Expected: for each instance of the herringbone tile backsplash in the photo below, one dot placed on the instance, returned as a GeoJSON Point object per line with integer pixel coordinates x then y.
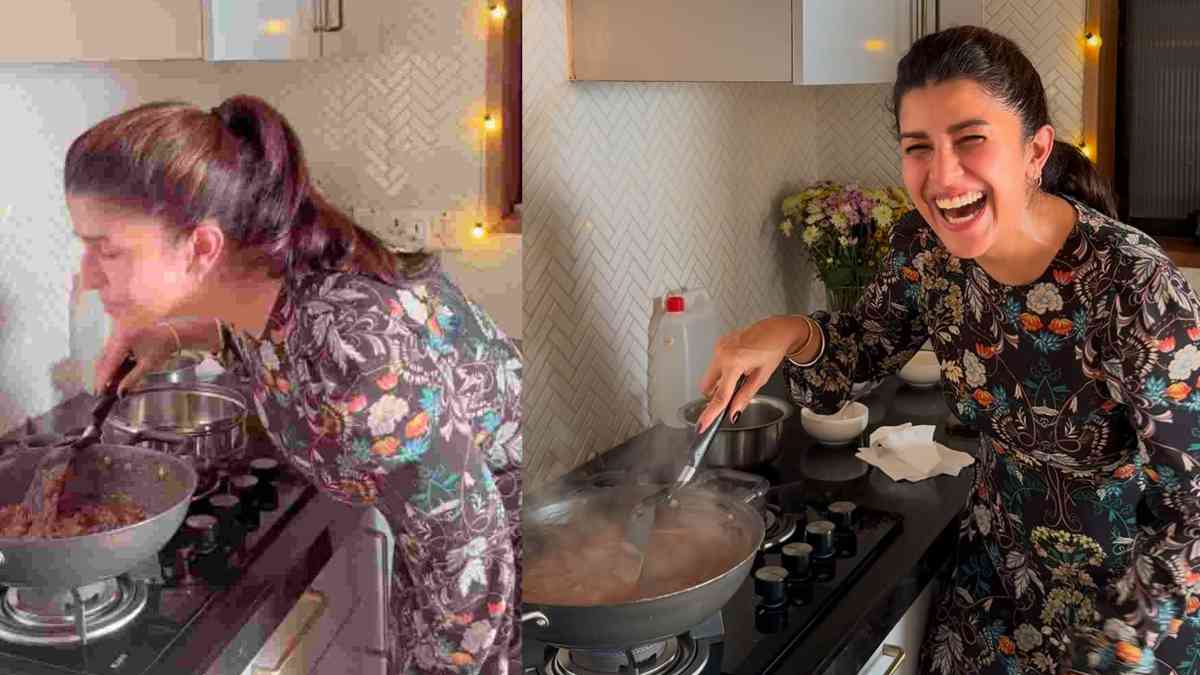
{"type": "Point", "coordinates": [632, 189]}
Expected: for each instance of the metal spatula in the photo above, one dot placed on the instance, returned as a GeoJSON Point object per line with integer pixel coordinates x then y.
{"type": "Point", "coordinates": [43, 495]}
{"type": "Point", "coordinates": [641, 521]}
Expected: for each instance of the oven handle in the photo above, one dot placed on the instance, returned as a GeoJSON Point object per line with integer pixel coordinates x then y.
{"type": "Point", "coordinates": [896, 653]}
{"type": "Point", "coordinates": [312, 602]}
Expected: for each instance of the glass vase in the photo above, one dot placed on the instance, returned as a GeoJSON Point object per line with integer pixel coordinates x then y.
{"type": "Point", "coordinates": [842, 298]}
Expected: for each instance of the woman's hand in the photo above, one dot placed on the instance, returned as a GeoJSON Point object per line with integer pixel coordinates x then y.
{"type": "Point", "coordinates": [152, 346]}
{"type": "Point", "coordinates": [755, 352]}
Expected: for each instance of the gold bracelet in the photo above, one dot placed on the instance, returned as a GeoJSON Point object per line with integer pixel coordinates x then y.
{"type": "Point", "coordinates": [807, 339]}
{"type": "Point", "coordinates": [175, 333]}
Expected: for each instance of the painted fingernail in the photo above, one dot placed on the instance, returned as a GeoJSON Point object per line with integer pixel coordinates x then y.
{"type": "Point", "coordinates": [734, 419]}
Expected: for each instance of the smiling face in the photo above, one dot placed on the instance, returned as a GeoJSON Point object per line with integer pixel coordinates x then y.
{"type": "Point", "coordinates": [967, 164]}
{"type": "Point", "coordinates": [142, 275]}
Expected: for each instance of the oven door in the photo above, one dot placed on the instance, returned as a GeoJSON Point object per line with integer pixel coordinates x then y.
{"type": "Point", "coordinates": [339, 625]}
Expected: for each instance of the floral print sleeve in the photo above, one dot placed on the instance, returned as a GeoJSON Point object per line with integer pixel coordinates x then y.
{"type": "Point", "coordinates": [407, 398]}
{"type": "Point", "coordinates": [882, 332]}
{"type": "Point", "coordinates": [1150, 368]}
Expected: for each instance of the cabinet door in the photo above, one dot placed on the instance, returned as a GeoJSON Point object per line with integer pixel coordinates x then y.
{"type": "Point", "coordinates": [949, 13]}
{"type": "Point", "coordinates": [264, 30]}
{"type": "Point", "coordinates": [851, 41]}
{"type": "Point", "coordinates": [352, 27]}
{"type": "Point", "coordinates": [902, 645]}
{"type": "Point", "coordinates": [35, 31]}
{"type": "Point", "coordinates": [672, 41]}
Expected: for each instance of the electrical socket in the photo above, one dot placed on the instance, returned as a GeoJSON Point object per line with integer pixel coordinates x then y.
{"type": "Point", "coordinates": [410, 230]}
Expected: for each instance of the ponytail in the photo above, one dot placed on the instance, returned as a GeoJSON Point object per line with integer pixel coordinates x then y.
{"type": "Point", "coordinates": [1069, 172]}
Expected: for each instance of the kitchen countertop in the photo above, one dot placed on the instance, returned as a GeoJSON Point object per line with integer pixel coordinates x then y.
{"type": "Point", "coordinates": [229, 633]}
{"type": "Point", "coordinates": [846, 639]}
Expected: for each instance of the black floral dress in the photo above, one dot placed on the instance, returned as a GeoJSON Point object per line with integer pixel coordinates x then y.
{"type": "Point", "coordinates": [407, 397]}
{"type": "Point", "coordinates": [1080, 542]}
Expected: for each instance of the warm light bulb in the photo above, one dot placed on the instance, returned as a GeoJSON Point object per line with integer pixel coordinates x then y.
{"type": "Point", "coordinates": [874, 45]}
{"type": "Point", "coordinates": [498, 11]}
{"type": "Point", "coordinates": [274, 27]}
{"type": "Point", "coordinates": [478, 231]}
{"type": "Point", "coordinates": [1086, 150]}
{"type": "Point", "coordinates": [489, 122]}
{"type": "Point", "coordinates": [1093, 40]}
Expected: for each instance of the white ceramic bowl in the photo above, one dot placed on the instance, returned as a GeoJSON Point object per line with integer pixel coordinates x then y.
{"type": "Point", "coordinates": [841, 428]}
{"type": "Point", "coordinates": [922, 370]}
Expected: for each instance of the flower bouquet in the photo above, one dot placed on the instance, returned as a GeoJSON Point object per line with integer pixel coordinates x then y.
{"type": "Point", "coordinates": [846, 230]}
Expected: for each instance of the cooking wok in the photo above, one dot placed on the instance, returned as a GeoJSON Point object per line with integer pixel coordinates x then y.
{"type": "Point", "coordinates": [159, 483]}
{"type": "Point", "coordinates": [657, 617]}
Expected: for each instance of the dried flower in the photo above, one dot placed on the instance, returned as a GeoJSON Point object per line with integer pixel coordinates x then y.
{"type": "Point", "coordinates": [846, 229]}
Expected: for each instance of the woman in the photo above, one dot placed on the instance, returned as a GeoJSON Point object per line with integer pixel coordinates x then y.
{"type": "Point", "coordinates": [1067, 337]}
{"type": "Point", "coordinates": [372, 374]}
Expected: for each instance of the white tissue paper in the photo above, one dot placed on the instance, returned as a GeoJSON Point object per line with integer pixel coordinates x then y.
{"type": "Point", "coordinates": [906, 452]}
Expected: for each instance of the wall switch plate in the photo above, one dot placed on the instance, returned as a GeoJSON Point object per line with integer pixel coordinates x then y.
{"type": "Point", "coordinates": [409, 230]}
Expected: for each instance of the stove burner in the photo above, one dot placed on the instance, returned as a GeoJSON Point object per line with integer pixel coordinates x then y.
{"type": "Point", "coordinates": [40, 617]}
{"type": "Point", "coordinates": [676, 656]}
{"type": "Point", "coordinates": [779, 527]}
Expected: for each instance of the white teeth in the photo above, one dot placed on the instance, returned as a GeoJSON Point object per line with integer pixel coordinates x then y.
{"type": "Point", "coordinates": [961, 200]}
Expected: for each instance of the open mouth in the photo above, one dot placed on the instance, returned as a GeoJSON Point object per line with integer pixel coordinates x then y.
{"type": "Point", "coordinates": [961, 209]}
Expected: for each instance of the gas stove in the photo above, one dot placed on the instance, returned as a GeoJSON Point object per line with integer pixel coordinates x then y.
{"type": "Point", "coordinates": [126, 625]}
{"type": "Point", "coordinates": [813, 552]}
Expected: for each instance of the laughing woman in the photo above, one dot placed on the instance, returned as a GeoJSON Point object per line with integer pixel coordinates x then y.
{"type": "Point", "coordinates": [1071, 341]}
{"type": "Point", "coordinates": [372, 373]}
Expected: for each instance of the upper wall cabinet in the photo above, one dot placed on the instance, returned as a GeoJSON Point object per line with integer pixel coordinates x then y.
{"type": "Point", "coordinates": [48, 31]}
{"type": "Point", "coordinates": [798, 41]}
{"type": "Point", "coordinates": [285, 30]}
{"type": "Point", "coordinates": [86, 30]}
{"type": "Point", "coordinates": [669, 40]}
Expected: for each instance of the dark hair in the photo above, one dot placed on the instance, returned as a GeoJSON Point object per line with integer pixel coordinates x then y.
{"type": "Point", "coordinates": [240, 164]}
{"type": "Point", "coordinates": [995, 63]}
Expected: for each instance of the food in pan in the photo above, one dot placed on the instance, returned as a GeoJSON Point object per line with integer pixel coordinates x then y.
{"type": "Point", "coordinates": [581, 565]}
{"type": "Point", "coordinates": [70, 519]}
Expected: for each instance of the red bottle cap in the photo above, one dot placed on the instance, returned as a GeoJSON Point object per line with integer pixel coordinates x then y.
{"type": "Point", "coordinates": [674, 303]}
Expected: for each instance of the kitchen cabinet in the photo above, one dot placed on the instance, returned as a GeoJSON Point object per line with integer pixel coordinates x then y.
{"type": "Point", "coordinates": [668, 40]}
{"type": "Point", "coordinates": [897, 654]}
{"type": "Point", "coordinates": [87, 30]}
{"type": "Point", "coordinates": [288, 30]}
{"type": "Point", "coordinates": [797, 41]}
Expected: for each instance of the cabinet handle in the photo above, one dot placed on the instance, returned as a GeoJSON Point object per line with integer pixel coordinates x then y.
{"type": "Point", "coordinates": [896, 653]}
{"type": "Point", "coordinates": [912, 21]}
{"type": "Point", "coordinates": [341, 15]}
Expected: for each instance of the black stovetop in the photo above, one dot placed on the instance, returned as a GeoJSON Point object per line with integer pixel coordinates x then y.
{"type": "Point", "coordinates": [754, 639]}
{"type": "Point", "coordinates": [173, 611]}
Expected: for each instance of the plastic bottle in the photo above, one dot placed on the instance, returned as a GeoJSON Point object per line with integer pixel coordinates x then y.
{"type": "Point", "coordinates": [682, 338]}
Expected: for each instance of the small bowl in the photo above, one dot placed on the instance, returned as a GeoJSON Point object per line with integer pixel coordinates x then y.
{"type": "Point", "coordinates": [841, 428]}
{"type": "Point", "coordinates": [922, 371]}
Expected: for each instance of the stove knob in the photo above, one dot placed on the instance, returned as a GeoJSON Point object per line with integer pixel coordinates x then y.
{"type": "Point", "coordinates": [246, 488]}
{"type": "Point", "coordinates": [204, 533]}
{"type": "Point", "coordinates": [228, 511]}
{"type": "Point", "coordinates": [842, 514]}
{"type": "Point", "coordinates": [770, 584]}
{"type": "Point", "coordinates": [819, 535]}
{"type": "Point", "coordinates": [265, 469]}
{"type": "Point", "coordinates": [796, 558]}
